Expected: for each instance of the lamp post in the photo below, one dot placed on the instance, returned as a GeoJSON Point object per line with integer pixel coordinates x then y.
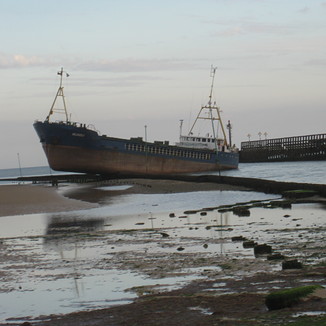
{"type": "Point", "coordinates": [145, 133]}
{"type": "Point", "coordinates": [259, 134]}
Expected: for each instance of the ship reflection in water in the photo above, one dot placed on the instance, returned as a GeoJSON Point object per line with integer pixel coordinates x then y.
{"type": "Point", "coordinates": [66, 226]}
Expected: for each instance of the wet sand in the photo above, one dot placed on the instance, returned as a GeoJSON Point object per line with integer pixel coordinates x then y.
{"type": "Point", "coordinates": [29, 199]}
{"type": "Point", "coordinates": [32, 199]}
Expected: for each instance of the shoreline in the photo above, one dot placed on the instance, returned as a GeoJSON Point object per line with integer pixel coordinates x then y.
{"type": "Point", "coordinates": [25, 199]}
{"type": "Point", "coordinates": [34, 199]}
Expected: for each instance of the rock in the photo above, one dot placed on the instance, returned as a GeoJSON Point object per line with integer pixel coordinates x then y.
{"type": "Point", "coordinates": [262, 249]}
{"type": "Point", "coordinates": [292, 264]}
{"type": "Point", "coordinates": [171, 215]}
{"type": "Point", "coordinates": [190, 212]}
{"type": "Point", "coordinates": [281, 203]}
{"type": "Point", "coordinates": [276, 256]}
{"type": "Point", "coordinates": [164, 235]}
{"type": "Point", "coordinates": [289, 297]}
{"type": "Point", "coordinates": [241, 211]}
{"type": "Point", "coordinates": [249, 244]}
{"type": "Point", "coordinates": [238, 238]}
{"type": "Point", "coordinates": [209, 208]}
{"type": "Point", "coordinates": [300, 193]}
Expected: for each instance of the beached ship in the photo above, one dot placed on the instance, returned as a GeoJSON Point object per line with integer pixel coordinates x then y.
{"type": "Point", "coordinates": [74, 147]}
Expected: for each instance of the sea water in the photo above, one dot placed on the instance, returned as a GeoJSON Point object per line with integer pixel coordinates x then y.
{"type": "Point", "coordinates": [26, 172]}
{"type": "Point", "coordinates": [302, 172]}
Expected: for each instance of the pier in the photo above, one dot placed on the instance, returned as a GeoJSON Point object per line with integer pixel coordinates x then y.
{"type": "Point", "coordinates": [55, 179]}
{"type": "Point", "coordinates": [298, 148]}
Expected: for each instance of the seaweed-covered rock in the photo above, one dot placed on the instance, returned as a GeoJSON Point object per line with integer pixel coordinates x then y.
{"type": "Point", "coordinates": [241, 211]}
{"type": "Point", "coordinates": [249, 244]}
{"type": "Point", "coordinates": [276, 256]}
{"type": "Point", "coordinates": [238, 238]}
{"type": "Point", "coordinates": [299, 193]}
{"type": "Point", "coordinates": [190, 212]}
{"type": "Point", "coordinates": [289, 297]}
{"type": "Point", "coordinates": [262, 249]}
{"type": "Point", "coordinates": [292, 264]}
{"type": "Point", "coordinates": [281, 203]}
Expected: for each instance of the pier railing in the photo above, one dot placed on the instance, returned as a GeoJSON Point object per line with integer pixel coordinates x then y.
{"type": "Point", "coordinates": [298, 148]}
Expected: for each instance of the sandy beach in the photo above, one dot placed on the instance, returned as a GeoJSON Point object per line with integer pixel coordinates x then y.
{"type": "Point", "coordinates": [29, 199]}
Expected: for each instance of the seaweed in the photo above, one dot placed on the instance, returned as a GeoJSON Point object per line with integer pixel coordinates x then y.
{"type": "Point", "coordinates": [289, 297]}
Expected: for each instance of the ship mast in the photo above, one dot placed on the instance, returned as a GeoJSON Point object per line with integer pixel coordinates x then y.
{"type": "Point", "coordinates": [61, 94]}
{"type": "Point", "coordinates": [212, 110]}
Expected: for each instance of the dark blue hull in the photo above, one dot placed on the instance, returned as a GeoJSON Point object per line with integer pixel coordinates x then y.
{"type": "Point", "coordinates": [75, 148]}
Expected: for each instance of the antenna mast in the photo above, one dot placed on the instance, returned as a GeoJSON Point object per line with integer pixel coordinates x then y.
{"type": "Point", "coordinates": [213, 70]}
{"type": "Point", "coordinates": [211, 108]}
{"type": "Point", "coordinates": [59, 93]}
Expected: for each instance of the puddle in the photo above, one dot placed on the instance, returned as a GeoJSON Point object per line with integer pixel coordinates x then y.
{"type": "Point", "coordinates": [309, 313]}
{"type": "Point", "coordinates": [75, 293]}
{"type": "Point", "coordinates": [114, 188]}
{"type": "Point", "coordinates": [201, 310]}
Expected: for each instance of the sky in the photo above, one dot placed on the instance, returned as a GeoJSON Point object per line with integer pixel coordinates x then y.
{"type": "Point", "coordinates": [147, 63]}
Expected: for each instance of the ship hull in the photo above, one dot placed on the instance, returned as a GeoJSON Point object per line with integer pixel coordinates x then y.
{"type": "Point", "coordinates": [73, 148]}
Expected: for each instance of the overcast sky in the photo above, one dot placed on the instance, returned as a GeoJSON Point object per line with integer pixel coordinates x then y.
{"type": "Point", "coordinates": [147, 62]}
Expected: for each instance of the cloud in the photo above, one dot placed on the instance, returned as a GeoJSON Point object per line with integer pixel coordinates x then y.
{"type": "Point", "coordinates": [135, 65]}
{"type": "Point", "coordinates": [20, 60]}
{"type": "Point", "coordinates": [120, 66]}
{"type": "Point", "coordinates": [120, 81]}
{"type": "Point", "coordinates": [247, 28]}
{"type": "Point", "coordinates": [304, 10]}
{"type": "Point", "coordinates": [316, 62]}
